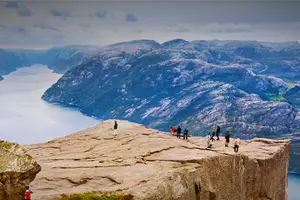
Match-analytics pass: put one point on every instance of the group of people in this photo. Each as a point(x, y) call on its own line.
point(178, 131)
point(210, 136)
point(216, 131)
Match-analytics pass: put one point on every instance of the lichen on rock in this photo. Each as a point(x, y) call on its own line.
point(17, 171)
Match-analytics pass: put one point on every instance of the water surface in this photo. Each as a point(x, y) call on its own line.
point(294, 187)
point(25, 118)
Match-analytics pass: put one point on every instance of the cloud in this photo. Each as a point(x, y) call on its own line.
point(100, 14)
point(85, 26)
point(12, 4)
point(58, 13)
point(130, 17)
point(45, 27)
point(25, 12)
point(227, 28)
point(19, 30)
point(178, 28)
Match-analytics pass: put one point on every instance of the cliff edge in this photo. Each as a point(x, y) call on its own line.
point(17, 170)
point(153, 165)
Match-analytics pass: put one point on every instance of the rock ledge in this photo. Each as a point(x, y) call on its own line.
point(153, 165)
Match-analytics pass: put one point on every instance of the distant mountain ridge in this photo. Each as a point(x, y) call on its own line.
point(60, 59)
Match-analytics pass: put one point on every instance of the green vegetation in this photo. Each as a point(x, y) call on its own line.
point(91, 196)
point(276, 97)
point(6, 145)
point(280, 96)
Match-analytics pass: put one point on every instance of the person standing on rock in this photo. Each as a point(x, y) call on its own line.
point(28, 193)
point(218, 130)
point(178, 130)
point(237, 144)
point(227, 137)
point(186, 133)
point(115, 128)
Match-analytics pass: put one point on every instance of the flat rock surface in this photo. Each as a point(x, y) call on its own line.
point(154, 165)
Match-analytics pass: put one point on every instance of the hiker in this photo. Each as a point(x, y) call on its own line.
point(186, 133)
point(227, 137)
point(218, 130)
point(178, 132)
point(237, 144)
point(115, 128)
point(28, 193)
point(213, 135)
point(209, 143)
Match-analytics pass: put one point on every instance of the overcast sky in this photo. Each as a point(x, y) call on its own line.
point(43, 24)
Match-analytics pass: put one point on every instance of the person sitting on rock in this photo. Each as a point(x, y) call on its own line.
point(28, 193)
point(186, 133)
point(178, 130)
point(209, 143)
point(237, 144)
point(213, 135)
point(172, 129)
point(115, 128)
point(227, 137)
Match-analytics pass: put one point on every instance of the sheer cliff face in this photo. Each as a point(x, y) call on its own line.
point(17, 171)
point(152, 165)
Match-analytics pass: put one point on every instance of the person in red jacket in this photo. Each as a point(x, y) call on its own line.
point(28, 193)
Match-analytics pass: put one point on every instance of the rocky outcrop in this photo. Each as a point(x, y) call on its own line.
point(17, 171)
point(149, 164)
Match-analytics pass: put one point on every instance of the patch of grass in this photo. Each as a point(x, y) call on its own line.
point(276, 97)
point(91, 196)
point(6, 145)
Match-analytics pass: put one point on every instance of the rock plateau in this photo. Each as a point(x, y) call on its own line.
point(153, 165)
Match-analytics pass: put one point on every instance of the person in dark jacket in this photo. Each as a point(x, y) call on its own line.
point(218, 130)
point(186, 133)
point(115, 128)
point(178, 130)
point(227, 137)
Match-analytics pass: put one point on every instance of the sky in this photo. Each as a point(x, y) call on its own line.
point(44, 24)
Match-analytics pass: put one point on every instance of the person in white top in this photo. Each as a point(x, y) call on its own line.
point(237, 144)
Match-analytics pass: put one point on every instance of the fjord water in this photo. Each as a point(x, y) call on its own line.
point(27, 119)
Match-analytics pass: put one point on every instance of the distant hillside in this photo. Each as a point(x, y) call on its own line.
point(60, 59)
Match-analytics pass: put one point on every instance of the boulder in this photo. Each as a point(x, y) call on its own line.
point(152, 165)
point(17, 171)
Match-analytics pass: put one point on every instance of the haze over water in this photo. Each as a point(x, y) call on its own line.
point(25, 118)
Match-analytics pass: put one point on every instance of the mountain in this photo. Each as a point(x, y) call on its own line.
point(161, 85)
point(59, 59)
